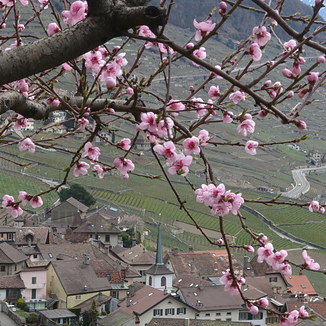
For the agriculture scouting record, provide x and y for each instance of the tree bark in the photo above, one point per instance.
(107, 19)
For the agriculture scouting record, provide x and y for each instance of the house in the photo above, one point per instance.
(19, 221)
(74, 281)
(35, 287)
(142, 143)
(210, 263)
(300, 285)
(30, 236)
(11, 259)
(192, 322)
(110, 213)
(317, 308)
(102, 303)
(147, 303)
(11, 288)
(99, 228)
(7, 233)
(103, 136)
(65, 212)
(136, 256)
(57, 317)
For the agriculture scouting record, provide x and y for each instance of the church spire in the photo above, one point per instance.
(159, 251)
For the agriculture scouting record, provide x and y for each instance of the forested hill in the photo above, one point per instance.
(239, 25)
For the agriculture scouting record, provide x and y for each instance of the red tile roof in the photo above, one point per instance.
(300, 284)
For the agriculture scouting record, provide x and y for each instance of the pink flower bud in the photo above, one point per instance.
(287, 73)
(300, 124)
(291, 94)
(321, 59)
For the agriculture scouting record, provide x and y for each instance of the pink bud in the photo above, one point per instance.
(321, 59)
(300, 124)
(287, 73)
(129, 91)
(291, 94)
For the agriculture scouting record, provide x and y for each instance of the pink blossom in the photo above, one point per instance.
(249, 249)
(203, 137)
(219, 242)
(66, 66)
(110, 82)
(164, 127)
(199, 53)
(303, 313)
(234, 201)
(263, 302)
(148, 122)
(129, 91)
(146, 32)
(309, 262)
(261, 36)
(11, 208)
(227, 117)
(175, 106)
(214, 92)
(276, 259)
(223, 7)
(24, 197)
(94, 61)
(83, 122)
(167, 150)
(264, 252)
(314, 205)
(77, 12)
(321, 59)
(267, 83)
(52, 29)
(180, 165)
(247, 125)
(203, 28)
(262, 113)
(124, 144)
(124, 166)
(20, 122)
(237, 96)
(26, 145)
(285, 269)
(91, 152)
(312, 78)
(213, 74)
(290, 94)
(273, 21)
(317, 2)
(288, 73)
(112, 70)
(291, 319)
(296, 69)
(289, 46)
(81, 168)
(252, 308)
(255, 52)
(321, 210)
(120, 59)
(191, 146)
(232, 285)
(36, 202)
(250, 147)
(301, 124)
(99, 170)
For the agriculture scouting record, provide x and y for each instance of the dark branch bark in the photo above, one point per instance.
(105, 21)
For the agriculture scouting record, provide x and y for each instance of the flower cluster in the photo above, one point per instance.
(232, 284)
(77, 12)
(220, 201)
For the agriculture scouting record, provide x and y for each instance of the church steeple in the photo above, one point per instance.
(159, 251)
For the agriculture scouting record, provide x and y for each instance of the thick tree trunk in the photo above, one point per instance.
(107, 19)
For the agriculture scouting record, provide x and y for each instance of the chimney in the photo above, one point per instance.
(201, 287)
(175, 251)
(144, 250)
(245, 262)
(85, 288)
(132, 290)
(190, 248)
(128, 300)
(86, 259)
(106, 250)
(100, 296)
(119, 267)
(192, 267)
(165, 291)
(133, 242)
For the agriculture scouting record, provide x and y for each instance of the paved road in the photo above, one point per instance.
(302, 185)
(5, 320)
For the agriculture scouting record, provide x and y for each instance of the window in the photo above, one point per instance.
(107, 238)
(273, 320)
(78, 297)
(2, 268)
(169, 311)
(228, 319)
(228, 313)
(218, 314)
(249, 316)
(33, 293)
(207, 315)
(115, 294)
(158, 312)
(273, 279)
(35, 256)
(181, 311)
(33, 280)
(163, 281)
(150, 280)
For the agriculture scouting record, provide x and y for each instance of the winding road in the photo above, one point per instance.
(302, 186)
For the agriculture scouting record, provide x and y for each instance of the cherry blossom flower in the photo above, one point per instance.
(247, 125)
(288, 73)
(289, 46)
(124, 166)
(180, 165)
(26, 145)
(300, 124)
(321, 59)
(66, 66)
(124, 144)
(227, 117)
(81, 168)
(273, 21)
(83, 122)
(264, 252)
(223, 7)
(120, 59)
(252, 308)
(129, 91)
(312, 78)
(99, 170)
(321, 209)
(199, 53)
(77, 12)
(214, 92)
(164, 127)
(237, 96)
(21, 122)
(91, 152)
(276, 259)
(263, 302)
(251, 146)
(249, 249)
(36, 202)
(11, 208)
(53, 28)
(231, 285)
(291, 319)
(24, 197)
(191, 146)
(296, 69)
(309, 262)
(261, 36)
(203, 28)
(148, 122)
(255, 52)
(167, 150)
(303, 313)
(146, 32)
(175, 106)
(94, 61)
(203, 137)
(314, 205)
(262, 113)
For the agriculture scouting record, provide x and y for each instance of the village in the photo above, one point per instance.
(64, 282)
